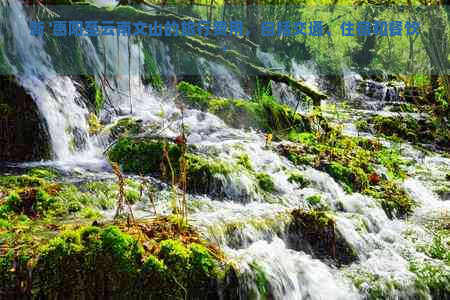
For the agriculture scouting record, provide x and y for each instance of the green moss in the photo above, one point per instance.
(393, 199)
(261, 280)
(90, 213)
(194, 94)
(181, 261)
(264, 112)
(392, 160)
(432, 278)
(95, 262)
(314, 200)
(48, 204)
(21, 181)
(299, 179)
(93, 92)
(44, 173)
(243, 160)
(374, 286)
(430, 130)
(4, 224)
(351, 178)
(153, 264)
(151, 71)
(307, 138)
(142, 157)
(13, 199)
(439, 248)
(362, 125)
(201, 173)
(202, 261)
(132, 196)
(265, 182)
(124, 127)
(352, 163)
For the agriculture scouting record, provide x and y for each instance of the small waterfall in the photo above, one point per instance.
(304, 72)
(56, 96)
(219, 80)
(367, 93)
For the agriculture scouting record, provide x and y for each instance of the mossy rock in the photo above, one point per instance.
(104, 262)
(315, 233)
(299, 179)
(25, 134)
(352, 178)
(202, 175)
(265, 182)
(144, 156)
(430, 130)
(124, 127)
(264, 113)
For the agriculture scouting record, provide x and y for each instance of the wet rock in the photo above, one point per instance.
(23, 132)
(315, 233)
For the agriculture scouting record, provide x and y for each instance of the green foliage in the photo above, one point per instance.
(244, 161)
(151, 71)
(362, 125)
(432, 278)
(201, 172)
(299, 179)
(314, 200)
(47, 204)
(201, 260)
(265, 182)
(153, 264)
(264, 112)
(90, 213)
(346, 176)
(132, 196)
(441, 98)
(302, 137)
(93, 92)
(96, 260)
(439, 248)
(431, 130)
(194, 94)
(374, 286)
(44, 173)
(261, 280)
(13, 199)
(142, 157)
(394, 199)
(10, 181)
(125, 126)
(352, 162)
(392, 160)
(125, 250)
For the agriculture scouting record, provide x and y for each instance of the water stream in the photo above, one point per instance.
(261, 242)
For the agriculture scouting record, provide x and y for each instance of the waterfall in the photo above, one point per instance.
(260, 243)
(56, 96)
(371, 94)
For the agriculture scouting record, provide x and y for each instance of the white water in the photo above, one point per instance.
(56, 96)
(382, 245)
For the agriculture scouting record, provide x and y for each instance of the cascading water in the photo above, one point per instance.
(56, 96)
(371, 94)
(260, 243)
